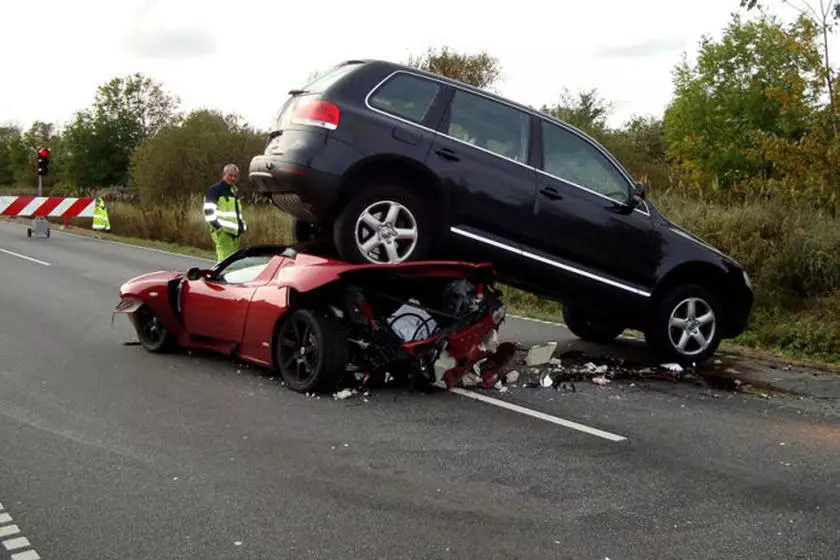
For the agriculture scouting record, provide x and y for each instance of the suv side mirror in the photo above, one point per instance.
(639, 190)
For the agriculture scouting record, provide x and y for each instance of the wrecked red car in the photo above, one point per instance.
(322, 322)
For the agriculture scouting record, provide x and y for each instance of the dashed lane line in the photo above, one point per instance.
(18, 255)
(539, 415)
(12, 539)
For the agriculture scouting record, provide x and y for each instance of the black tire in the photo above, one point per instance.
(413, 212)
(153, 334)
(326, 370)
(588, 328)
(664, 339)
(303, 232)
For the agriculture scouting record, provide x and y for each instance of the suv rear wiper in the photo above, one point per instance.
(297, 91)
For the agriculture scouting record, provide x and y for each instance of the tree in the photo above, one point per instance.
(586, 111)
(13, 154)
(185, 158)
(760, 78)
(101, 140)
(479, 70)
(824, 19)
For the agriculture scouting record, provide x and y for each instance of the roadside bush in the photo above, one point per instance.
(187, 157)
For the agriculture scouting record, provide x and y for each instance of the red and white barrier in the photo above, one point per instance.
(47, 206)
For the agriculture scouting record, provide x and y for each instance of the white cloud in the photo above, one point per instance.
(243, 57)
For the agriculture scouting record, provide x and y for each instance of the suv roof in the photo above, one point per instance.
(396, 66)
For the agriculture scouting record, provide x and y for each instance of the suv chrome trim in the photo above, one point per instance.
(537, 114)
(542, 259)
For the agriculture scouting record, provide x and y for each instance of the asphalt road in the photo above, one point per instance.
(109, 452)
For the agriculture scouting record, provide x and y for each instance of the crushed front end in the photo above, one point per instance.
(433, 331)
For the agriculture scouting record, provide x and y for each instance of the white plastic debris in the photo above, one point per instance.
(512, 377)
(546, 380)
(470, 380)
(344, 394)
(500, 387)
(600, 380)
(443, 363)
(412, 323)
(676, 368)
(592, 368)
(491, 342)
(555, 362)
(538, 355)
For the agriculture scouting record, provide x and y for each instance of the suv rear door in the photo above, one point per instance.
(481, 153)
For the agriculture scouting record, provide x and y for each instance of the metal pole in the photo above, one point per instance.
(40, 183)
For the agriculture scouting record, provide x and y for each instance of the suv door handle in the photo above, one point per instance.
(551, 193)
(446, 153)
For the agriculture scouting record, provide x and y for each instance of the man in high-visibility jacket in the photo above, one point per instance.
(100, 217)
(223, 212)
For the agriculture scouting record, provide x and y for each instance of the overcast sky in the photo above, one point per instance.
(244, 56)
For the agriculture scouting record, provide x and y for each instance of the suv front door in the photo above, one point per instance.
(481, 154)
(597, 244)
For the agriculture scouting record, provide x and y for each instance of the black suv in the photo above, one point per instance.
(392, 164)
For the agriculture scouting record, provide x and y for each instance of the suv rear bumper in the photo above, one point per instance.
(300, 191)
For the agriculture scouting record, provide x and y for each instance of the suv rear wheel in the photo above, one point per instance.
(589, 328)
(685, 326)
(383, 224)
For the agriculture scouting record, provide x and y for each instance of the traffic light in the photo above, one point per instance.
(43, 161)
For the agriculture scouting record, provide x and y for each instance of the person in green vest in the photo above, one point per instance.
(223, 212)
(101, 222)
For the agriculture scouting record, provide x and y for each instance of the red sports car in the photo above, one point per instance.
(322, 322)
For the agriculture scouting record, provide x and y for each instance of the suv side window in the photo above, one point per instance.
(573, 159)
(406, 96)
(490, 125)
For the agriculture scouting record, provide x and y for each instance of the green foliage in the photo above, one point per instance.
(480, 70)
(760, 78)
(99, 143)
(186, 157)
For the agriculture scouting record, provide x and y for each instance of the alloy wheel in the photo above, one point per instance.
(386, 232)
(691, 326)
(299, 351)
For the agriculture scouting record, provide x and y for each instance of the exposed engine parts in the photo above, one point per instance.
(405, 336)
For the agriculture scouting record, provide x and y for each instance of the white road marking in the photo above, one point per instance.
(18, 255)
(9, 530)
(16, 543)
(539, 415)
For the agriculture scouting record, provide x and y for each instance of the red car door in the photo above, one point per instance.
(217, 307)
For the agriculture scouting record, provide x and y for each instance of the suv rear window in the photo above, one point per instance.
(406, 96)
(321, 83)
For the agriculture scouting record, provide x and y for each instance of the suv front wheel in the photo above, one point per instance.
(383, 224)
(685, 326)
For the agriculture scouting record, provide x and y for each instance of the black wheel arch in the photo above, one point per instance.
(726, 282)
(398, 170)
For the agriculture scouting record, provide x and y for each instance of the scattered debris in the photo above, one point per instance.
(600, 380)
(345, 394)
(676, 368)
(512, 377)
(538, 355)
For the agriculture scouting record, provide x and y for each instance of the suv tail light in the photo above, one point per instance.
(317, 112)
